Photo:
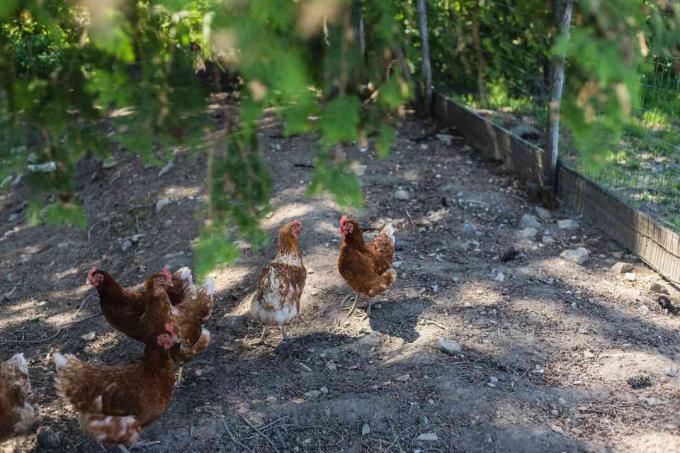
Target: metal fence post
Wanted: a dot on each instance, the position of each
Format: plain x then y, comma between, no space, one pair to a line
425,48
562,15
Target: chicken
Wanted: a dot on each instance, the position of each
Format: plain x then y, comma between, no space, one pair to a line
123,307
115,402
16,414
277,298
366,268
184,320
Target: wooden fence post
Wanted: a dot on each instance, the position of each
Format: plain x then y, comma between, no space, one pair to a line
425,48
562,10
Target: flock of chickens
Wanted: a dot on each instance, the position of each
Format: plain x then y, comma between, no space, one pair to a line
115,403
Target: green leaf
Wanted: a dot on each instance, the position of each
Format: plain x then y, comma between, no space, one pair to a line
337,179
340,120
386,138
65,214
211,250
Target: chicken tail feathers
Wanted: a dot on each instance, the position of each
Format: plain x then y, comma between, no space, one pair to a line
388,231
385,280
111,429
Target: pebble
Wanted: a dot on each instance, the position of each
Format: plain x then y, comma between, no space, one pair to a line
331,366
530,221
109,162
137,237
168,167
160,204
578,256
312,394
13,217
562,401
630,276
324,390
557,429
401,194
617,255
672,372
366,429
469,229
567,224
547,239
445,138
528,233
500,277
125,246
542,213
644,310
89,336
403,378
621,267
449,346
428,437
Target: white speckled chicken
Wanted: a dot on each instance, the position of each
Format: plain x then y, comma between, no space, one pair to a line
277,299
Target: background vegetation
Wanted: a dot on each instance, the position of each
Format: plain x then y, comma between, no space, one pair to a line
91,76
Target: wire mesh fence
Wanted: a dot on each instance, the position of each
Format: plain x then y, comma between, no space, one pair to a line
493,56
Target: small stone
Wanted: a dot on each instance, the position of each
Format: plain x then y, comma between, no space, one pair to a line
168,167
401,194
331,366
109,162
446,139
14,217
48,438
365,429
658,288
567,224
588,355
137,237
500,277
125,246
562,401
542,213
578,256
630,276
547,240
88,336
449,346
644,310
527,233
403,378
621,267
435,289
557,429
530,221
428,437
160,204
672,372
493,380
617,255
312,394
324,390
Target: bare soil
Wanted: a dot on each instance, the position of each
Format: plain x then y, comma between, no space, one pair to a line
547,353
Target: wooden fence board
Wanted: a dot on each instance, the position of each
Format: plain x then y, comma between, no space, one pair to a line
656,244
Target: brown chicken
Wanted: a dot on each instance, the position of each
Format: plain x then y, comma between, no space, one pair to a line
16,414
366,268
184,320
123,307
115,402
277,299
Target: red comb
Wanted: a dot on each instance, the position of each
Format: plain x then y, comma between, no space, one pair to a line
89,274
169,328
166,272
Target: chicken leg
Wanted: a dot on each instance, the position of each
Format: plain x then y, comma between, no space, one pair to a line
352,307
368,310
261,339
283,331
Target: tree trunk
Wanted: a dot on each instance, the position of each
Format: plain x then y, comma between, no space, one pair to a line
425,48
562,14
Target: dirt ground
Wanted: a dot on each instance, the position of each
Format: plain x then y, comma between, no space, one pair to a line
548,353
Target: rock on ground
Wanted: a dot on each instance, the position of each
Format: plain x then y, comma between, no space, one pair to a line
578,256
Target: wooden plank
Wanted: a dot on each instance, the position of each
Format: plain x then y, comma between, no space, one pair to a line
656,244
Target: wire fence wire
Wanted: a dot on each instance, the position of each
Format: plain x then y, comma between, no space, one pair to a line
487,58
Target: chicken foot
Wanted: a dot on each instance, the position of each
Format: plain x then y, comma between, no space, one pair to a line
368,310
352,307
261,339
